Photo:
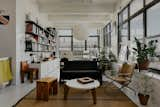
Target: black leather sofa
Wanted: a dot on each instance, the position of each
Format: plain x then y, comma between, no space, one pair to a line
78,69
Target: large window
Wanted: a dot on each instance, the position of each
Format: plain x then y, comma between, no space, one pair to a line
78,45
148,1
125,14
135,6
93,39
123,27
64,32
142,21
65,39
136,27
65,43
153,21
124,33
92,42
107,35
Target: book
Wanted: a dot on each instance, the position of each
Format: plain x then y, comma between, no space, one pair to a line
85,80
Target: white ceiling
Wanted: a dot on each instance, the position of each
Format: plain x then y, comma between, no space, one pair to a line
77,11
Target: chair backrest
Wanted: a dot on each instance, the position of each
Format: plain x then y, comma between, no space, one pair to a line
127,69
24,66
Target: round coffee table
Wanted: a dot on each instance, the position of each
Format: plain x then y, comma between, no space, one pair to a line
76,85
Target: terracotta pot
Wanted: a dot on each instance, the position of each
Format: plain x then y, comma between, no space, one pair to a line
143,98
144,66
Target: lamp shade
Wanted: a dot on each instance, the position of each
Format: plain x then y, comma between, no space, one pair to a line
80,32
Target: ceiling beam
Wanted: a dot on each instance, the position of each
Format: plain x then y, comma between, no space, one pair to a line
78,13
65,8
78,18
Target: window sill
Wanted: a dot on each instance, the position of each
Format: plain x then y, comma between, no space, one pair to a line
151,74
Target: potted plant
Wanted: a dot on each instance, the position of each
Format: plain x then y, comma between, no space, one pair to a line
144,86
103,60
112,59
143,52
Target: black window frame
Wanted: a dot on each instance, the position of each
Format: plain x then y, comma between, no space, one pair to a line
68,36
130,17
107,33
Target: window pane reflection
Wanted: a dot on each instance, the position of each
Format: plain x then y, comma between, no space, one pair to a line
135,6
136,27
153,20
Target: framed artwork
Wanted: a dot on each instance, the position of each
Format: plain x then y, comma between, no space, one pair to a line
4,19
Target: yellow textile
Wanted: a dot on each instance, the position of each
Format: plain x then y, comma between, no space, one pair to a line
5,71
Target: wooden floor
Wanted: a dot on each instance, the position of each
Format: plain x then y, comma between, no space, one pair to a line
109,96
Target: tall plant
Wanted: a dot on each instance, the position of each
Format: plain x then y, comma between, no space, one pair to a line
143,51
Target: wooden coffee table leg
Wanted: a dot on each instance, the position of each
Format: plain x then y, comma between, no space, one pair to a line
93,91
66,90
55,87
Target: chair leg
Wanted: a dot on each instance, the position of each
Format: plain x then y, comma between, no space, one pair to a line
31,77
93,91
66,90
37,75
22,77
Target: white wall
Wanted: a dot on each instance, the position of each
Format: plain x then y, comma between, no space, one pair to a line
8,32
24,7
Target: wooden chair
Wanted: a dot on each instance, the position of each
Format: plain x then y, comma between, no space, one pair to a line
124,76
26,70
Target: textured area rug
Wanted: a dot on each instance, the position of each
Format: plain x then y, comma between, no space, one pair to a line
107,96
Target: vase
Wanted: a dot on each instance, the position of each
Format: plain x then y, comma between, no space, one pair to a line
144,65
143,98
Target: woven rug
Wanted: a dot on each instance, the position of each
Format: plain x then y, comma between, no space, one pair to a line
104,94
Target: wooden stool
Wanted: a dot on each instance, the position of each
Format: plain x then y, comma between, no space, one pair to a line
46,86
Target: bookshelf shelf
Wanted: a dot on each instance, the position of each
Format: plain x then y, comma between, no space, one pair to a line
38,39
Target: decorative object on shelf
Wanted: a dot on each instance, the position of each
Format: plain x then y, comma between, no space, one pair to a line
144,86
28,16
28,46
4,19
143,52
